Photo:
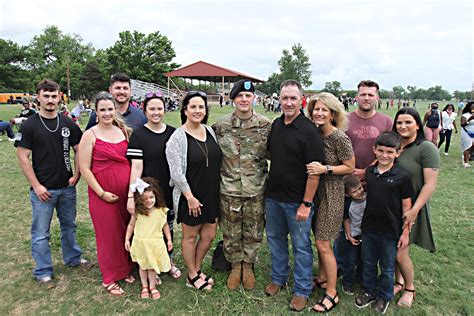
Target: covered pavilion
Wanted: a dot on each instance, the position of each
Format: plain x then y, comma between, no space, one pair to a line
207,72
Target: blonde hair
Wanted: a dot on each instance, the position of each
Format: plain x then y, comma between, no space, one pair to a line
333,104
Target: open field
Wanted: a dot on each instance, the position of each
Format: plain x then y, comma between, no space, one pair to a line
444,279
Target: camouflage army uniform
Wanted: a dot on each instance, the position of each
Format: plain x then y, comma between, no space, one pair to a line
244,172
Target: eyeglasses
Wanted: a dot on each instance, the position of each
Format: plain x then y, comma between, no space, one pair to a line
103,96
153,94
197,93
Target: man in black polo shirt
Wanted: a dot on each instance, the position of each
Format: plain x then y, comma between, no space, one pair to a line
294,141
120,88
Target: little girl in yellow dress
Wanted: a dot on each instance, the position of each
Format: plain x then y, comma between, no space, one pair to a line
147,226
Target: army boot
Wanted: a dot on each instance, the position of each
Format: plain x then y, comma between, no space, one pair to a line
233,281
248,279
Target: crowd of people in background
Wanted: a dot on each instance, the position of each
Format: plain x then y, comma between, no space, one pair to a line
346,177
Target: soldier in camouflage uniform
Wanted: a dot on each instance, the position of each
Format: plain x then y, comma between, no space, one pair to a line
242,136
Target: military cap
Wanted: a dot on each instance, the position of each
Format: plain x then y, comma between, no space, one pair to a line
241,85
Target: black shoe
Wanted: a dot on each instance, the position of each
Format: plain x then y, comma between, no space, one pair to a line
348,289
364,300
380,305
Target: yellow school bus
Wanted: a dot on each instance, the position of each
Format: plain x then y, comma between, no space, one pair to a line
13,97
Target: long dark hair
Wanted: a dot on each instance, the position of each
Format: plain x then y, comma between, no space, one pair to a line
155,188
420,135
189,96
467,107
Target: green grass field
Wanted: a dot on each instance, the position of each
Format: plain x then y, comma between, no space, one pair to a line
444,280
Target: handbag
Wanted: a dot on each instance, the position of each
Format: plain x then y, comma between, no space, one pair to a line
219,262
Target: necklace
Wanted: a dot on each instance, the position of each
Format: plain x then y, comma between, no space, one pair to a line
57,124
205,152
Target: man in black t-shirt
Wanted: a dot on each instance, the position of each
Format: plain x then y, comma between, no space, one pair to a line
48,137
294,141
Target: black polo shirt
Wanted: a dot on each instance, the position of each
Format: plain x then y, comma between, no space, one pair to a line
292,146
383,213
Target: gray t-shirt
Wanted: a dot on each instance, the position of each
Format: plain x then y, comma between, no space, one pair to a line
356,212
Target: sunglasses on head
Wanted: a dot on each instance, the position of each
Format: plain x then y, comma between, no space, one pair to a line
153,94
103,96
197,93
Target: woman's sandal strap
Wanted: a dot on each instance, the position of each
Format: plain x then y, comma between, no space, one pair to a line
328,297
411,291
207,278
195,279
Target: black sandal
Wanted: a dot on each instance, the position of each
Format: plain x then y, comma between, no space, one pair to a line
317,284
330,299
192,283
208,279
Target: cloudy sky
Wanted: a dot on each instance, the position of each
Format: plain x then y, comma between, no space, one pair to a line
395,42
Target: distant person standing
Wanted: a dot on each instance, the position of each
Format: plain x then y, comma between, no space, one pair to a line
120,88
460,106
221,100
242,136
449,123
433,122
48,137
467,132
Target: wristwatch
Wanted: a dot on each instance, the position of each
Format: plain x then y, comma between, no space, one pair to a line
329,169
307,204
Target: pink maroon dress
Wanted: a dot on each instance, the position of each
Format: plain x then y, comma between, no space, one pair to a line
112,170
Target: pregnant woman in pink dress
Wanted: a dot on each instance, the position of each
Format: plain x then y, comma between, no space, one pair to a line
106,170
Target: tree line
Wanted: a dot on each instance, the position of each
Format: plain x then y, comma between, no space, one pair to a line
53,54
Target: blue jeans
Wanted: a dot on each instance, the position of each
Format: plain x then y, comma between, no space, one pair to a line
64,200
5,126
352,258
281,220
339,249
382,250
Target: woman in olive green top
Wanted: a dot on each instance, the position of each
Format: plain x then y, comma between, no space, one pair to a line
420,159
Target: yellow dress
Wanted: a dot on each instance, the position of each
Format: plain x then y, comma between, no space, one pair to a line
148,247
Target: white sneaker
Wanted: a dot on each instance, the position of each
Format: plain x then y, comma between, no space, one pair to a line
466,165
446,154
11,139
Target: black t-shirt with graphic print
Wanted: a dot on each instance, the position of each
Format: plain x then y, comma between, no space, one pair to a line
51,154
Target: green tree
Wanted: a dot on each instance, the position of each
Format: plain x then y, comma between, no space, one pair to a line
143,57
333,87
14,75
437,93
398,92
385,94
92,80
294,65
272,85
52,53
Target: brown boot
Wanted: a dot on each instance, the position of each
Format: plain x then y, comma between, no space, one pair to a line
233,281
248,279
